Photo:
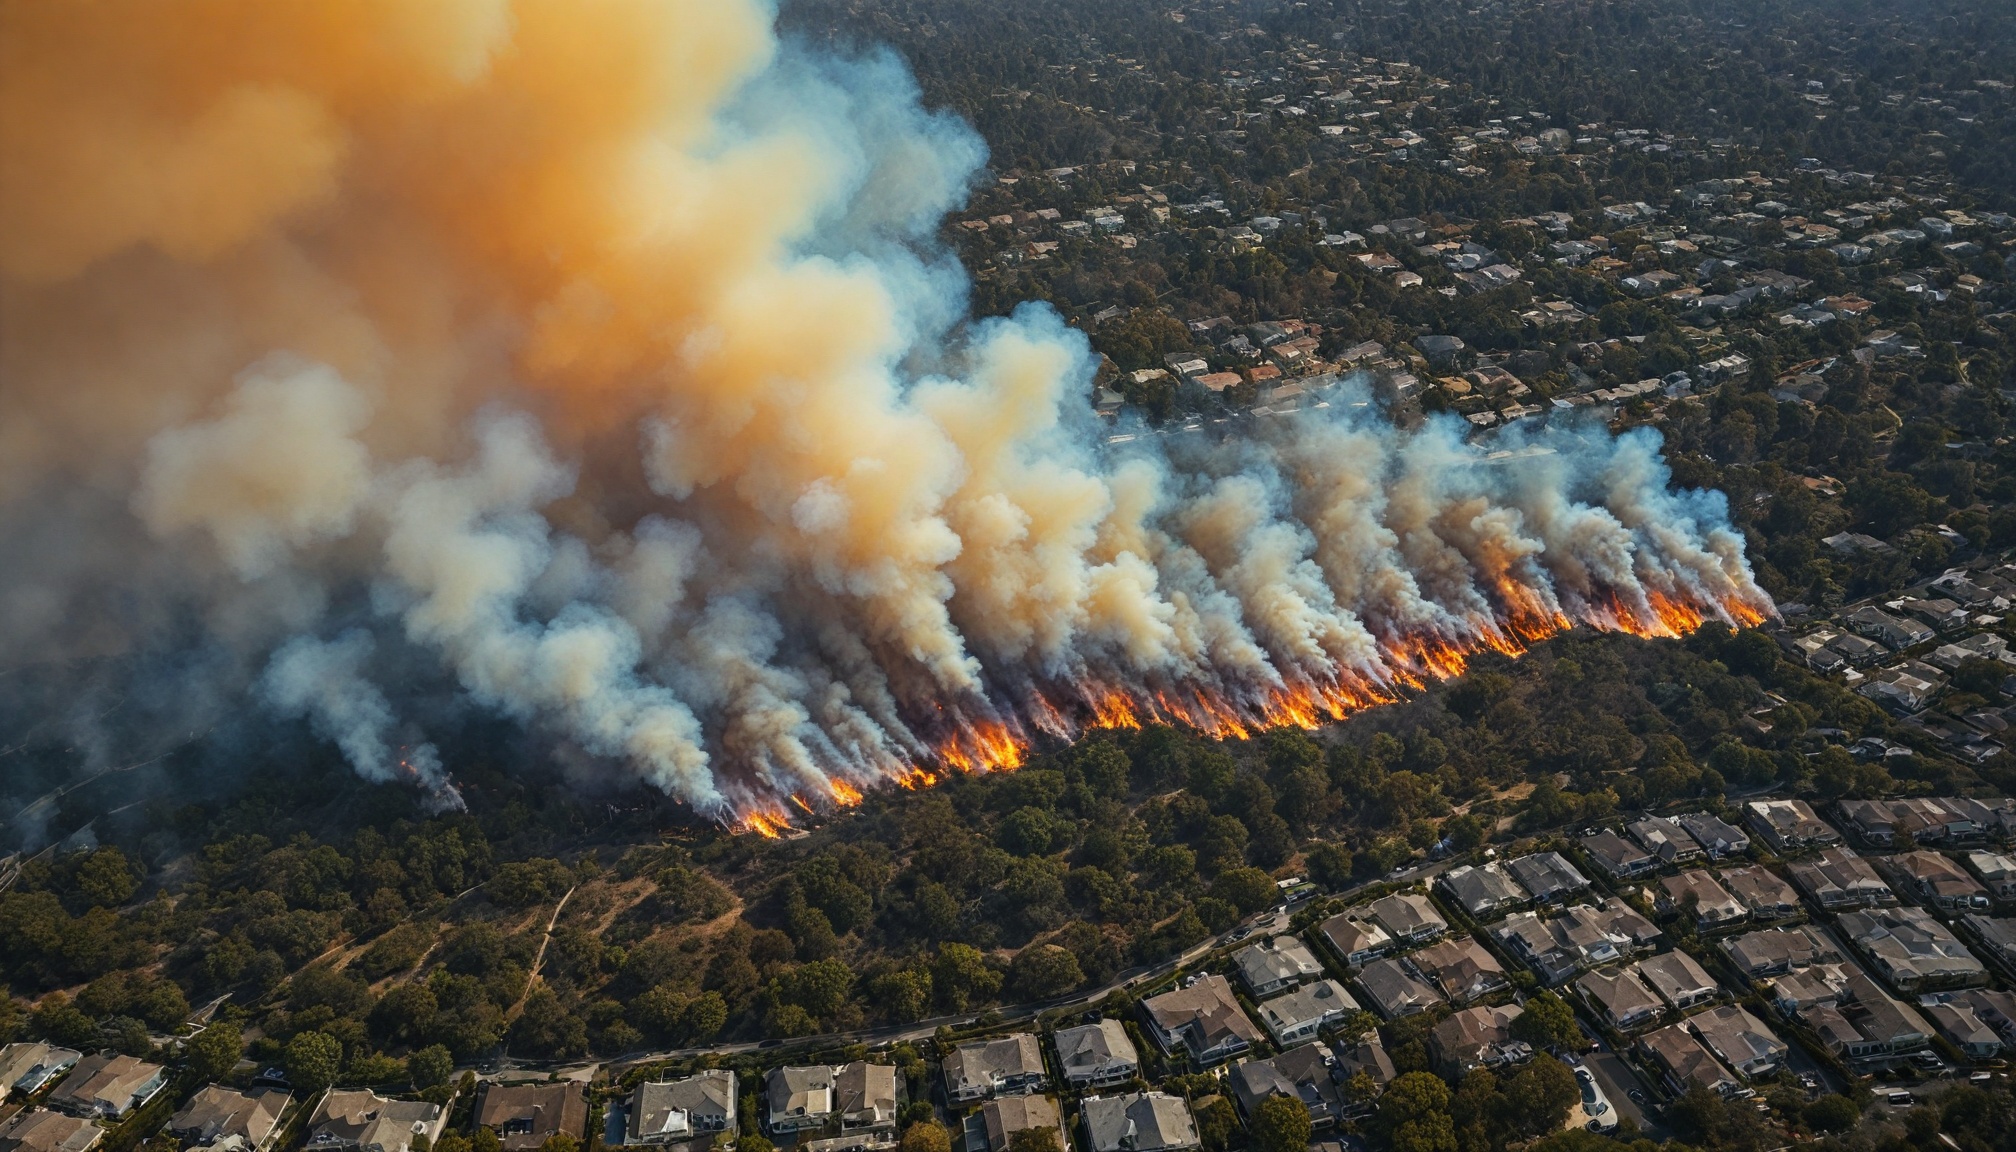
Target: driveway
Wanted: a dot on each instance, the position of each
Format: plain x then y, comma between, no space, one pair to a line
1618,1081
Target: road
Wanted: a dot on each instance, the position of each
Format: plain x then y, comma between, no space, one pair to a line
1618,1082
1274,920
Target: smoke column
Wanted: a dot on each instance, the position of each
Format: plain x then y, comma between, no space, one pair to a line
595,364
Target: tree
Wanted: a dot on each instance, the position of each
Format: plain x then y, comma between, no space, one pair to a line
1043,971
1216,1123
1547,1022
312,1061
925,1136
431,1066
960,976
105,878
215,1051
1247,889
1041,1139
1280,1124
1832,1113
561,1142
1539,1096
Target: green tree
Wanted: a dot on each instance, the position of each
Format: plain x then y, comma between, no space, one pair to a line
312,1061
105,878
925,1136
1217,1123
1280,1124
561,1142
1247,889
1043,971
1832,1113
215,1051
1548,1022
431,1066
1043,1139
960,977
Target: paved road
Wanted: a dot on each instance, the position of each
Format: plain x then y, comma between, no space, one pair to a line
1618,1082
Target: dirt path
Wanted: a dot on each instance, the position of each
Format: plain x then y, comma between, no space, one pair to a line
539,961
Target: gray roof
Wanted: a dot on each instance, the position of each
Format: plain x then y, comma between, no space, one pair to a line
1205,1016
1395,991
1616,855
1408,914
217,1115
679,1109
1911,947
1738,1039
983,1062
1002,1118
1548,875
1305,1073
363,1119
1138,1122
1090,1047
39,1130
1284,959
1780,949
1461,969
1839,876
29,1066
1713,833
800,1091
1292,1010
1664,838
1482,891
1676,976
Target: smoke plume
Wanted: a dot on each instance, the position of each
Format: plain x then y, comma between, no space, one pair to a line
595,364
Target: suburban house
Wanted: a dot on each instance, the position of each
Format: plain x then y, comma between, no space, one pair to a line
1203,1019
1897,632
1814,985
1618,857
1716,836
1293,1017
798,1098
1369,1057
1409,917
25,1068
108,1086
1763,892
1479,1037
40,1130
1549,876
1138,1122
1911,950
1461,969
1621,997
1739,1040
1307,1073
1394,989
1997,872
1580,937
1962,1026
1684,1062
999,1121
1004,1066
526,1115
1934,881
701,1107
1789,825
1357,940
864,1095
1925,820
229,1120
1665,839
1996,936
1271,965
1096,1055
1485,893
1870,1025
1678,978
1772,952
363,1120
1697,893
1838,879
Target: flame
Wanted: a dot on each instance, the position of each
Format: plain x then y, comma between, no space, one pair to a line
1407,663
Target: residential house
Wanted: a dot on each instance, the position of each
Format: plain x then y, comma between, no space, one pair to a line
1984,646
1096,1055
864,1095
696,1108
1203,1019
1995,935
798,1098
1716,836
1395,990
1942,614
108,1086
39,1130
1581,937
1789,825
1408,917
1925,820
1684,1062
1549,876
1484,892
1461,969
1763,892
1772,952
1621,997
1908,688
27,1067
1869,1025
525,1116
1479,1037
1696,893
1961,1025
1271,965
1997,871
1138,1122
1934,881
1665,839
229,1120
1004,1066
1814,985
1293,1017
1816,650
1739,1040
1895,631
1911,950
1857,651
1357,940
1369,1057
1618,857
1308,1073
1838,879
999,1121
1679,979
363,1121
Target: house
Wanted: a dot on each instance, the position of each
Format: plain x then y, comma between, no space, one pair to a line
1775,951
1942,614
1621,997
367,1122
1816,650
1696,893
1797,992
1868,1025
1293,1017
108,1086
26,1068
1665,839
1678,978
1763,892
701,1107
1004,1066
1138,1122
1997,872
1357,940
999,1121
1838,879
1369,1058
864,1095
1395,991
1924,820
1307,1073
1984,646
798,1098
526,1115
1548,876
1683,1062
1962,1026
39,1130
1485,893
1203,1019
1716,836
1580,937
1934,881
1789,825
1856,651
1618,857
230,1120
1906,688
1268,967
1460,969
1096,1055
1911,950
1739,1040
1408,917
1479,1037
1996,936
1895,631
